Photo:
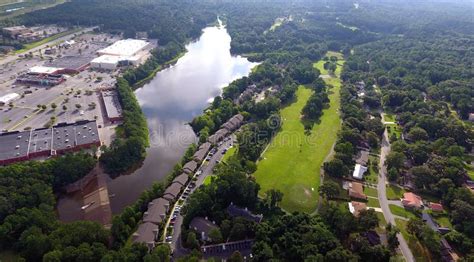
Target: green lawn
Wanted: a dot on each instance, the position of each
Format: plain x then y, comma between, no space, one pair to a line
442,219
394,129
394,192
419,252
370,191
293,160
381,218
207,180
389,118
401,212
372,202
373,175
229,153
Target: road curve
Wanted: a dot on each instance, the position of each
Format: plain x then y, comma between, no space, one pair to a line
382,196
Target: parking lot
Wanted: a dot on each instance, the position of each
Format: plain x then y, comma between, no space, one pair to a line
75,99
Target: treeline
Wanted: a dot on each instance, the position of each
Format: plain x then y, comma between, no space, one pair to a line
159,58
166,21
29,225
129,148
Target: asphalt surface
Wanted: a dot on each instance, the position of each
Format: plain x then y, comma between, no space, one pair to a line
382,196
12,58
207,169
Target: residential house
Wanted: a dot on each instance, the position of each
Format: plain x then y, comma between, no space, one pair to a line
202,226
190,167
356,207
202,151
362,157
356,190
411,200
359,171
218,136
146,233
235,211
157,210
225,250
172,192
181,179
436,207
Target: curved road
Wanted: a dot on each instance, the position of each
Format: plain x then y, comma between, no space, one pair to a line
382,195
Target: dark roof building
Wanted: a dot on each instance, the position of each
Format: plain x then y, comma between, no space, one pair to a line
41,142
218,136
202,152
14,147
233,123
190,167
157,210
112,106
146,233
181,179
20,146
172,192
225,250
236,211
372,237
202,226
362,157
356,190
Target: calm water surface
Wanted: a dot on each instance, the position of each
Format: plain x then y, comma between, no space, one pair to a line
172,99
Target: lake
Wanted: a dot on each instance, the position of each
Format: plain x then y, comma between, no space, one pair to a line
170,101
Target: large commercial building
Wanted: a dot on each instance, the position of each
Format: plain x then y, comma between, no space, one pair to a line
122,53
62,138
112,106
127,47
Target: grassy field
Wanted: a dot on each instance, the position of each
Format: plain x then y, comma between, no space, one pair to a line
389,118
373,175
442,219
45,40
372,202
401,212
293,160
419,252
370,191
381,218
229,153
207,180
394,192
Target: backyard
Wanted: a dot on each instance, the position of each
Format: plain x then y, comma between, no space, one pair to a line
293,159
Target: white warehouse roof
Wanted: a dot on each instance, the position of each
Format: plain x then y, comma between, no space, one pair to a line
359,171
44,69
127,47
8,98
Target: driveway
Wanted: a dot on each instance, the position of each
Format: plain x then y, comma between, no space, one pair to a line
207,169
382,195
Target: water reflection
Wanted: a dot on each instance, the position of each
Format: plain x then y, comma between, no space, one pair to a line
172,99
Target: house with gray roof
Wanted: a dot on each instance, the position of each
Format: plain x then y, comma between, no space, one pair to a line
202,226
190,167
157,210
181,179
172,192
146,233
218,136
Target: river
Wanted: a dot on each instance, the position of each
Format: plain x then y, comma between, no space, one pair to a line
171,100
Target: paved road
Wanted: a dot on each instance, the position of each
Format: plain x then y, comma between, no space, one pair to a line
382,195
11,58
207,169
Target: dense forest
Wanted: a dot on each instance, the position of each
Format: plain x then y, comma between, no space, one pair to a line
413,60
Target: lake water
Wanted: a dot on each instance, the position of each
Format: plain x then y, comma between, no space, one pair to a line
171,100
